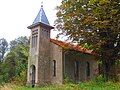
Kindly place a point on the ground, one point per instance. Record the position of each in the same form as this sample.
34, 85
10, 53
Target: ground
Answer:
69, 86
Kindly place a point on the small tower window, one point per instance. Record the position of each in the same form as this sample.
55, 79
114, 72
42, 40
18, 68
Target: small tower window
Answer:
76, 68
88, 69
45, 33
34, 38
54, 68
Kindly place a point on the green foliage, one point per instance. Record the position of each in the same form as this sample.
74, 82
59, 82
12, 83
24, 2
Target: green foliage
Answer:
95, 22
100, 86
3, 48
4, 76
67, 80
89, 47
9, 62
79, 86
99, 79
21, 79
15, 61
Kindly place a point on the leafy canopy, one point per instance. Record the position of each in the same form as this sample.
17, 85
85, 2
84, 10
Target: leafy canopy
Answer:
95, 22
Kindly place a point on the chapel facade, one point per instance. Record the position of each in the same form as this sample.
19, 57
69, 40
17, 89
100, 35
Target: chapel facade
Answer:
50, 60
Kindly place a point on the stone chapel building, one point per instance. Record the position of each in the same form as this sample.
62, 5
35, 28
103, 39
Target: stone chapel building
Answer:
51, 60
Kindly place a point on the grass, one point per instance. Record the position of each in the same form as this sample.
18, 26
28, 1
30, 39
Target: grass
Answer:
80, 86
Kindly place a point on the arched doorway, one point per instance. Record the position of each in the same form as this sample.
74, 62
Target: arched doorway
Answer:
33, 71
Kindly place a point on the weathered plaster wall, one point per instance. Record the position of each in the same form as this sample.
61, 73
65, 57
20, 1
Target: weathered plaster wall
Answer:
82, 60
44, 57
33, 59
56, 54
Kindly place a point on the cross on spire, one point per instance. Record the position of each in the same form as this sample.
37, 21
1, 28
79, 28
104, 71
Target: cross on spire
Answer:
42, 4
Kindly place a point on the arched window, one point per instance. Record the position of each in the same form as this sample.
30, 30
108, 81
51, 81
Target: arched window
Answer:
33, 74
54, 68
34, 38
76, 68
88, 69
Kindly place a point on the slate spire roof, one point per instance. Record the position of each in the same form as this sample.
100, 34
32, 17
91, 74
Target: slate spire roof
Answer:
41, 17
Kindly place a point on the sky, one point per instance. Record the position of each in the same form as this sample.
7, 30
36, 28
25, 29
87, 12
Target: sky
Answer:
16, 15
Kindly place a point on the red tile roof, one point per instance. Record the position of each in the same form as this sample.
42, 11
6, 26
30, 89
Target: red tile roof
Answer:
71, 46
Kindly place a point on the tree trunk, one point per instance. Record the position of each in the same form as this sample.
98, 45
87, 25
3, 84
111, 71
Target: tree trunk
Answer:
105, 67
109, 68
112, 71
105, 70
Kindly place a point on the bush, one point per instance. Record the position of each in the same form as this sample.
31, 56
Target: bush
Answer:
99, 79
21, 79
67, 80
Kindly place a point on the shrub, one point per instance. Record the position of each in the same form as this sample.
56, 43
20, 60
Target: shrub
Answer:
20, 79
99, 79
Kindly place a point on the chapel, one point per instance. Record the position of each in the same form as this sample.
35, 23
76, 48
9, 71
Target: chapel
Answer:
51, 61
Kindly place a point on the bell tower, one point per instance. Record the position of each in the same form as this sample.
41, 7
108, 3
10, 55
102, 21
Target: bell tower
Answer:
39, 56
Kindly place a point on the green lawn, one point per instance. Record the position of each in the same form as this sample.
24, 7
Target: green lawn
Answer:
88, 85
79, 86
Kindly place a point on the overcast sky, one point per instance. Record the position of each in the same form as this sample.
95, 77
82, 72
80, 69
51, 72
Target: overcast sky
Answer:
16, 15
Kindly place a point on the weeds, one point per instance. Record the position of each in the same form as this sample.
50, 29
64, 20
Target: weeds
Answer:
96, 84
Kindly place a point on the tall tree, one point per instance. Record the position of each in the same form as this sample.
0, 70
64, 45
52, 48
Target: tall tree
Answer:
95, 22
3, 48
19, 41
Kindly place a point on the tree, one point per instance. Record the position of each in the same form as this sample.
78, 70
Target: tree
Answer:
15, 62
9, 65
3, 48
19, 41
95, 22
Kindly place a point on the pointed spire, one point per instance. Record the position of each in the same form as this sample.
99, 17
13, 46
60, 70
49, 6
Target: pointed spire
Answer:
41, 19
41, 16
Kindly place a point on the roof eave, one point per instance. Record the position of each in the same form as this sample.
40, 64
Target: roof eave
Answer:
63, 46
41, 24
90, 53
